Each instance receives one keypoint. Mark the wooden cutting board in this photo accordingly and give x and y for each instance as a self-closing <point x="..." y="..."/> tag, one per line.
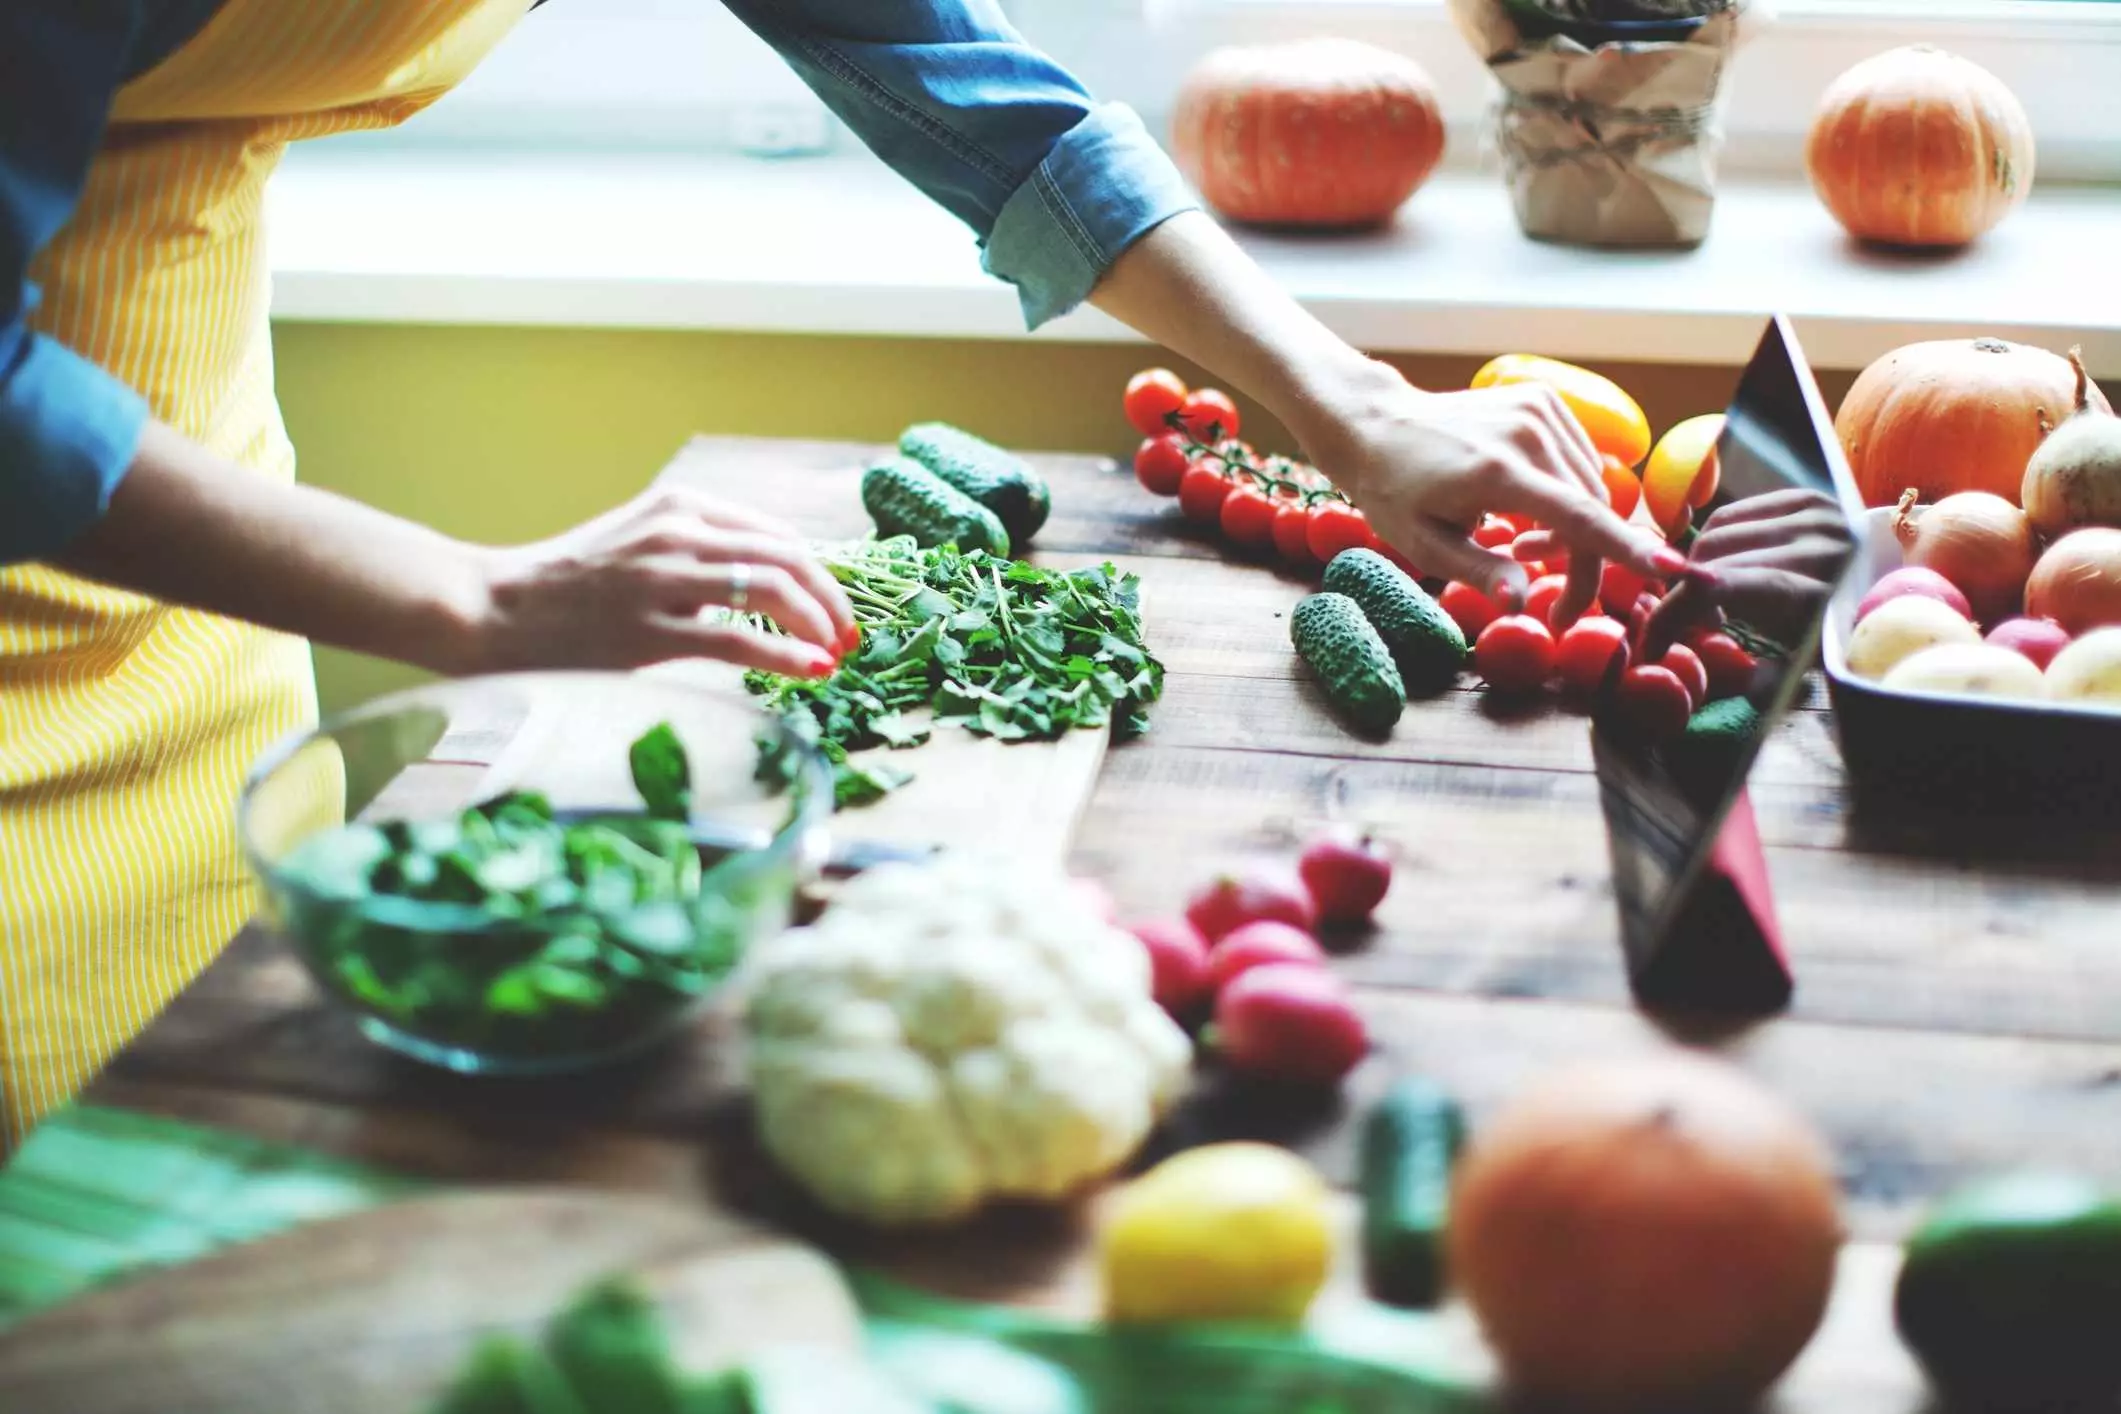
<point x="376" y="1312"/>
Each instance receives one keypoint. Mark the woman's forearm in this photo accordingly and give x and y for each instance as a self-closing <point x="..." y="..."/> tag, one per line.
<point x="1187" y="286"/>
<point x="187" y="527"/>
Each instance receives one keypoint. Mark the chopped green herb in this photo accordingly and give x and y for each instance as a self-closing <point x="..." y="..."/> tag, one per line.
<point x="1000" y="648"/>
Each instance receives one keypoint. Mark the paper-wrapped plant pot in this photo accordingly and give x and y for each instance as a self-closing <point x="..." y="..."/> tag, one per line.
<point x="1608" y="131"/>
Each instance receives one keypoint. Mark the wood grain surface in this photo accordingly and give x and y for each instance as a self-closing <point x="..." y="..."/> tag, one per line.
<point x="375" y="1313"/>
<point x="1958" y="1004"/>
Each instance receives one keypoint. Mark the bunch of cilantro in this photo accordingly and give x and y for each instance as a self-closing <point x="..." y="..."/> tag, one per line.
<point x="1001" y="648"/>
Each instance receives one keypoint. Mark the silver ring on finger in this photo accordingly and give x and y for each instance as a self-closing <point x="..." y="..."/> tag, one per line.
<point x="739" y="587"/>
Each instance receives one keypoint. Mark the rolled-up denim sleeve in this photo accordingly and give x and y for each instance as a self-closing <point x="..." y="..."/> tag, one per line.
<point x="1054" y="184"/>
<point x="68" y="429"/>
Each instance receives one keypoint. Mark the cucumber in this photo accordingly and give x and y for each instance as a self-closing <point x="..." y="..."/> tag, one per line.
<point x="1425" y="641"/>
<point x="2009" y="1293"/>
<point x="1001" y="481"/>
<point x="1410" y="1140"/>
<point x="905" y="498"/>
<point x="611" y="1345"/>
<point x="1352" y="662"/>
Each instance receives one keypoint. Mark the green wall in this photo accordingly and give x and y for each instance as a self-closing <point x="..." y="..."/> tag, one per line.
<point x="500" y="434"/>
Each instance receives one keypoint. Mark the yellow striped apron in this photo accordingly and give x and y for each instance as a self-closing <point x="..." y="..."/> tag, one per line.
<point x="126" y="725"/>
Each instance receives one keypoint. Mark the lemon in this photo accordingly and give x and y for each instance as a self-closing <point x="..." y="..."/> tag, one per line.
<point x="1235" y="1231"/>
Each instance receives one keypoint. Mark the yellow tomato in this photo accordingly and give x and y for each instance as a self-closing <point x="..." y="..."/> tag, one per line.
<point x="1683" y="471"/>
<point x="1614" y="420"/>
<point x="1236" y="1231"/>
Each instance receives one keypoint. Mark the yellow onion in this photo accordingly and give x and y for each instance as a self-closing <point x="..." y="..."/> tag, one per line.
<point x="2077" y="583"/>
<point x="1978" y="541"/>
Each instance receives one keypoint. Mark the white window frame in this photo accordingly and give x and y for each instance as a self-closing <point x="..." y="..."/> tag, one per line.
<point x="684" y="74"/>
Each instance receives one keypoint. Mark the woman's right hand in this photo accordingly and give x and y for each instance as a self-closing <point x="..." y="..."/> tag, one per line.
<point x="631" y="588"/>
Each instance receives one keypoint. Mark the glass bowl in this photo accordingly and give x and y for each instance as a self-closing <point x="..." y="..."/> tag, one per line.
<point x="534" y="873"/>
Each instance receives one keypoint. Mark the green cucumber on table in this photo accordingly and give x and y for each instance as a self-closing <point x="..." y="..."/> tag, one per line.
<point x="1410" y="1142"/>
<point x="905" y="498"/>
<point x="1351" y="661"/>
<point x="1000" y="480"/>
<point x="1426" y="643"/>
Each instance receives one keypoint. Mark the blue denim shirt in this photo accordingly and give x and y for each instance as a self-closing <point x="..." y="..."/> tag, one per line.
<point x="1055" y="185"/>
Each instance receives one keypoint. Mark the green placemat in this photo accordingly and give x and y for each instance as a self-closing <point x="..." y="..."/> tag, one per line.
<point x="97" y="1193"/>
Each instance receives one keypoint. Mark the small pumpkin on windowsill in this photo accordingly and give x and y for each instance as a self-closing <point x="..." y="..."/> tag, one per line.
<point x="1322" y="133"/>
<point x="1919" y="148"/>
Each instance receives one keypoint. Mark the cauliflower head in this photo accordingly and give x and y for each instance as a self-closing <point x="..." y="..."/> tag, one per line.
<point x="951" y="1032"/>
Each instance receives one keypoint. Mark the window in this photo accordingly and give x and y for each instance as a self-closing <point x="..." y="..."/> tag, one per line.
<point x="685" y="74"/>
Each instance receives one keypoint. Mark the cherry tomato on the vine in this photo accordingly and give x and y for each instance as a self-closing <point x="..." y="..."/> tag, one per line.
<point x="1292" y="534"/>
<point x="1152" y="396"/>
<point x="1470" y="609"/>
<point x="1686" y="666"/>
<point x="1201" y="492"/>
<point x="1586" y="652"/>
<point x="1652" y="700"/>
<point x="1160" y="463"/>
<point x="1337" y="526"/>
<point x="1248" y="517"/>
<point x="1209" y="415"/>
<point x="1515" y="653"/>
<point x="1729" y="666"/>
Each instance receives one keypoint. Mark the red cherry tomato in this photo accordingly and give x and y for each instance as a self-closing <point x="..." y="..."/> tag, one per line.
<point x="1201" y="492"/>
<point x="1152" y="396"/>
<point x="1209" y="415"/>
<point x="1494" y="533"/>
<point x="1545" y="593"/>
<point x="1292" y="534"/>
<point x="1404" y="565"/>
<point x="1586" y="652"/>
<point x="1618" y="587"/>
<point x="1248" y="517"/>
<point x="1688" y="669"/>
<point x="1729" y="666"/>
<point x="1337" y="526"/>
<point x="1518" y="521"/>
<point x="1652" y="700"/>
<point x="1470" y="609"/>
<point x="1160" y="463"/>
<point x="1515" y="653"/>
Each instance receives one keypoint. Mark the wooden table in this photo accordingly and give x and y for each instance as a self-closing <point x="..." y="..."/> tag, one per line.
<point x="1958" y="1003"/>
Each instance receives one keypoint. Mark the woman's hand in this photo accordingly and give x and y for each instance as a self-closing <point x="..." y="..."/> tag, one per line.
<point x="1425" y="467"/>
<point x="632" y="586"/>
<point x="1769" y="559"/>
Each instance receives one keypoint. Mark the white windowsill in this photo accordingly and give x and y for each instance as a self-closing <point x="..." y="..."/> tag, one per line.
<point x="839" y="245"/>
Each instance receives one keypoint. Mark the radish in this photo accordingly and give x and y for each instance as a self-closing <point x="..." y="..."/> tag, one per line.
<point x="1257" y="944"/>
<point x="1292" y="1022"/>
<point x="1178" y="963"/>
<point x="1913" y="579"/>
<point x="1255" y="890"/>
<point x="1347" y="875"/>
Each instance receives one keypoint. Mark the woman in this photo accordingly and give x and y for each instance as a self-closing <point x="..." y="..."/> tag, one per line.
<point x="160" y="568"/>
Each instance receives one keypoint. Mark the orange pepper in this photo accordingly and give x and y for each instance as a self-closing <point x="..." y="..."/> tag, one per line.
<point x="1615" y="421"/>
<point x="1621" y="487"/>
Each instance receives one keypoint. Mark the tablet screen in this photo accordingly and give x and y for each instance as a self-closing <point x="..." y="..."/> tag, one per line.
<point x="1779" y="534"/>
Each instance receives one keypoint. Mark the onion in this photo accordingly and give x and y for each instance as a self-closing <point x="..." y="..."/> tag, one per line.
<point x="1976" y="669"/>
<point x="2038" y="639"/>
<point x="1901" y="628"/>
<point x="1975" y="539"/>
<point x="1913" y="579"/>
<point x="2089" y="670"/>
<point x="2077" y="583"/>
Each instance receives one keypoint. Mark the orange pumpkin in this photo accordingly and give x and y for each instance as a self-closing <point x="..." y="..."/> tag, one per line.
<point x="1319" y="132"/>
<point x="1647" y="1235"/>
<point x="1919" y="147"/>
<point x="1948" y="415"/>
